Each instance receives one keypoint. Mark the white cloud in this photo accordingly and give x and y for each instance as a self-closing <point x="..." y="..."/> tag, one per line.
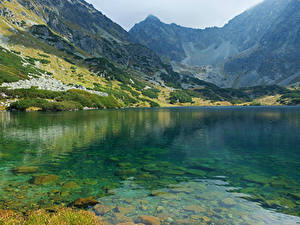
<point x="189" y="13"/>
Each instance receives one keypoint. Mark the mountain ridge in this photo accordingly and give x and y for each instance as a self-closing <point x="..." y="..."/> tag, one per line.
<point x="220" y="47"/>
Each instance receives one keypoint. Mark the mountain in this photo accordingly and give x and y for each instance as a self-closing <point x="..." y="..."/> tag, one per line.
<point x="258" y="47"/>
<point x="66" y="55"/>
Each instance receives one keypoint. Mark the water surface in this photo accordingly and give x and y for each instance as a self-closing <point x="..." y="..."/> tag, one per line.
<point x="182" y="165"/>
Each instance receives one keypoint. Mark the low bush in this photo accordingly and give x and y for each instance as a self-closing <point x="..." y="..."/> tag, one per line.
<point x="180" y="96"/>
<point x="151" y="93"/>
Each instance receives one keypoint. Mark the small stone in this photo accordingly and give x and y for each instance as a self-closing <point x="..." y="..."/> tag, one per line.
<point x="44" y="179"/>
<point x="206" y="219"/>
<point x="256" y="179"/>
<point x="25" y="169"/>
<point x="149" y="220"/>
<point x="182" y="190"/>
<point x="143" y="208"/>
<point x="160" y="209"/>
<point x="84" y="202"/>
<point x="124" y="165"/>
<point x="126" y="223"/>
<point x="229" y="202"/>
<point x="183" y="222"/>
<point x="101" y="209"/>
<point x="71" y="185"/>
<point x="194" y="208"/>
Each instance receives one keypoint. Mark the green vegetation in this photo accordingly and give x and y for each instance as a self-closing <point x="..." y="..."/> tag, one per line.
<point x="12" y="67"/>
<point x="291" y="98"/>
<point x="43" y="55"/>
<point x="151" y="93"/>
<point x="108" y="69"/>
<point x="60" y="101"/>
<point x="180" y="96"/>
<point x="42" y="217"/>
<point x="32" y="60"/>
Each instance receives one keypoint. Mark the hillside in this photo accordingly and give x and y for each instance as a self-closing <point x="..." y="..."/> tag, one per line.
<point x="258" y="47"/>
<point x="66" y="55"/>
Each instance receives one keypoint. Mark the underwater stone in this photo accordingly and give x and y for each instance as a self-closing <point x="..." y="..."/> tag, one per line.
<point x="124" y="165"/>
<point x="194" y="208"/>
<point x="196" y="172"/>
<point x="44" y="179"/>
<point x="256" y="179"/>
<point x="126" y="172"/>
<point x="151" y="168"/>
<point x="148" y="220"/>
<point x="25" y="169"/>
<point x="126" y="223"/>
<point x="84" y="202"/>
<point x="229" y="202"/>
<point x="101" y="209"/>
<point x="160" y="209"/>
<point x="71" y="185"/>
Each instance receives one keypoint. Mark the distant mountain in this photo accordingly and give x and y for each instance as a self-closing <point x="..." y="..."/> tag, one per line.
<point x="258" y="47"/>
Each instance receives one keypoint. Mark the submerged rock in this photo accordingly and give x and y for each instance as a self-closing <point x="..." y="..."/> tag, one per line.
<point x="84" y="202"/>
<point x="71" y="185"/>
<point x="126" y="172"/>
<point x="25" y="169"/>
<point x="295" y="195"/>
<point x="148" y="220"/>
<point x="194" y="208"/>
<point x="256" y="179"/>
<point x="229" y="202"/>
<point x="101" y="209"/>
<point x="43" y="179"/>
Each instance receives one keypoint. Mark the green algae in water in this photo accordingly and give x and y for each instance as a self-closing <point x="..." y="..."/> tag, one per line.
<point x="253" y="150"/>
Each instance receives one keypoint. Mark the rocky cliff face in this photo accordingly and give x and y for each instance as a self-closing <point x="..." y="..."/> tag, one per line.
<point x="257" y="47"/>
<point x="88" y="29"/>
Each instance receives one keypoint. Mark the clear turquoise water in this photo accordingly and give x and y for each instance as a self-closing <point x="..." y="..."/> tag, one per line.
<point x="182" y="165"/>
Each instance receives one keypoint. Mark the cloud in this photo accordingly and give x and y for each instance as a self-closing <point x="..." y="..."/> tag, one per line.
<point x="189" y="13"/>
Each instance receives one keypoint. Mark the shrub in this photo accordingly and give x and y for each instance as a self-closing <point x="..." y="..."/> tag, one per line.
<point x="180" y="96"/>
<point x="151" y="93"/>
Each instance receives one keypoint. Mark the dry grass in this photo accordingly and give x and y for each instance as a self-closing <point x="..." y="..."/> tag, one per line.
<point x="42" y="217"/>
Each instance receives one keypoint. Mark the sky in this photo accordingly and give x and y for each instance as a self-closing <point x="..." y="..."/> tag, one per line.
<point x="188" y="13"/>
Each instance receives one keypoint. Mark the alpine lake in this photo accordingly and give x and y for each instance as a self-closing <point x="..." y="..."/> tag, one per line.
<point x="218" y="165"/>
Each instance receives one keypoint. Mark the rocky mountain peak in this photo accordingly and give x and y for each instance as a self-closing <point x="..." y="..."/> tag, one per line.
<point x="152" y="18"/>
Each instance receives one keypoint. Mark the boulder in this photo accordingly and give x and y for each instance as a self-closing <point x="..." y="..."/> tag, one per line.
<point x="148" y="220"/>
<point x="84" y="202"/>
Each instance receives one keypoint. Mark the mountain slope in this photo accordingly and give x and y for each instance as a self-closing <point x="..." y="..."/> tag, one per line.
<point x="245" y="52"/>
